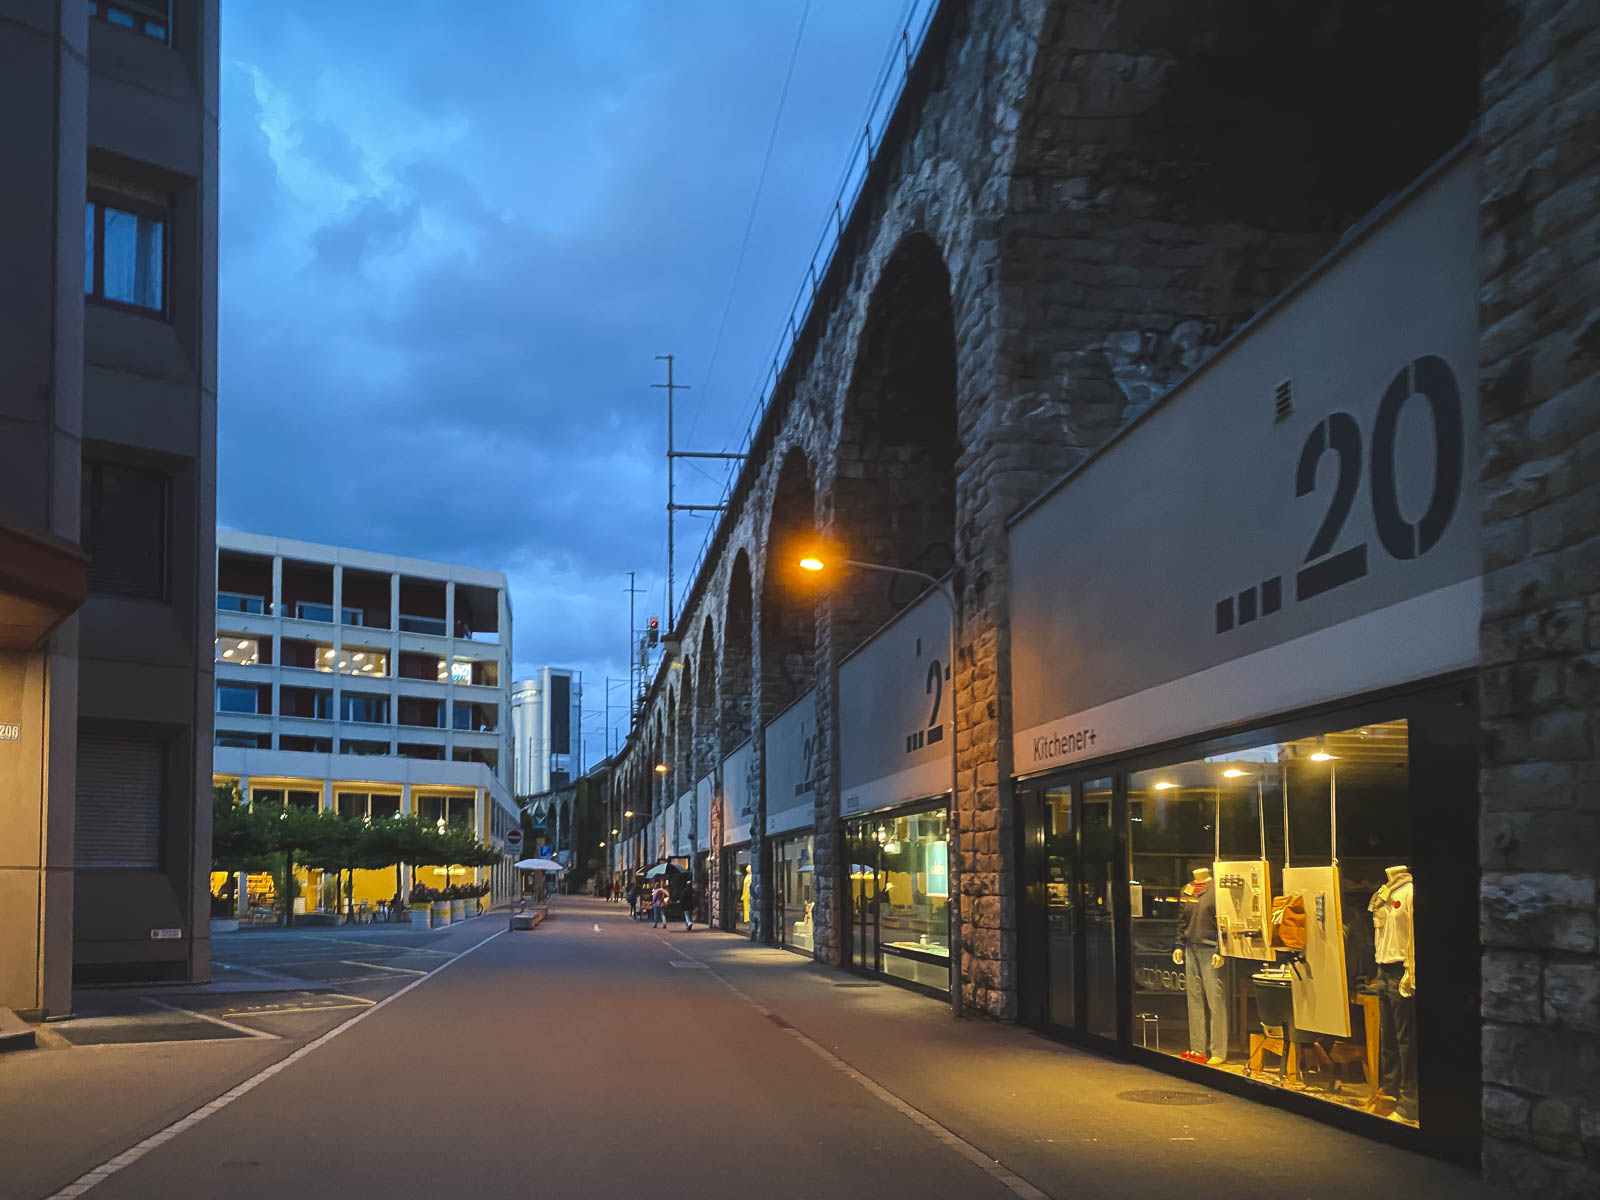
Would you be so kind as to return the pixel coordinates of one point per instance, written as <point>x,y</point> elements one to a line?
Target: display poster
<point>738,795</point>
<point>682,823</point>
<point>791,766</point>
<point>1319,984</point>
<point>704,796</point>
<point>1244,909</point>
<point>1296,522</point>
<point>895,704</point>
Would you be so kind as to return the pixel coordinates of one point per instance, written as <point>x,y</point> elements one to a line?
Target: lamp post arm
<point>941,585</point>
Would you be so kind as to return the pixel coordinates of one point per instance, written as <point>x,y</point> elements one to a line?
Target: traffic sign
<point>514,838</point>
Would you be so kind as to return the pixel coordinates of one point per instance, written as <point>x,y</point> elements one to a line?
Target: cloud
<point>453,242</point>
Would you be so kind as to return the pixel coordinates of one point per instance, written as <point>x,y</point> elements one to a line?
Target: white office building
<point>546,721</point>
<point>364,683</point>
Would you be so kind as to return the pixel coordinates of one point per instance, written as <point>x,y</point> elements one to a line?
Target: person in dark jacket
<point>687,899</point>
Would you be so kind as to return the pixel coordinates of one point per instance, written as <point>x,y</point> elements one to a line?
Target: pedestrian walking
<point>658,908</point>
<point>616,890</point>
<point>633,900</point>
<point>687,899</point>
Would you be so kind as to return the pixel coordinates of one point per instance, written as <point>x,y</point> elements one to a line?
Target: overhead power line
<point>755,203</point>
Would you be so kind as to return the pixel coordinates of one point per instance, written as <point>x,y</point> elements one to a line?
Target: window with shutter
<point>120,782</point>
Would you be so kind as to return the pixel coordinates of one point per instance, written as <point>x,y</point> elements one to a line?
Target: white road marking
<point>189,1012</point>
<point>993,1167</point>
<point>132,1155</point>
<point>350,962</point>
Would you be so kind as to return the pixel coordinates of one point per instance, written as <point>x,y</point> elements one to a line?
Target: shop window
<point>124,529</point>
<point>1271,907</point>
<point>899,897</point>
<point>796,892</point>
<point>125,248</point>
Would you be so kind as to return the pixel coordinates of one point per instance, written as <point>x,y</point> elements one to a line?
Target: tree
<point>401,839</point>
<point>301,833</point>
<point>242,838</point>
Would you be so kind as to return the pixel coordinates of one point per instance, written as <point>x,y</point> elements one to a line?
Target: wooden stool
<point>1262,1044</point>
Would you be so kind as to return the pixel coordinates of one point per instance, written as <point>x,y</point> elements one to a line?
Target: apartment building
<point>107,479</point>
<point>547,723</point>
<point>367,684</point>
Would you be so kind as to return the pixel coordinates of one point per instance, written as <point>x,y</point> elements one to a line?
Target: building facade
<point>107,483</point>
<point>547,724</point>
<point>365,684</point>
<point>1249,734</point>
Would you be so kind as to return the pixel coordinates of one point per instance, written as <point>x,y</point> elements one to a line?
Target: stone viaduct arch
<point>1065,216</point>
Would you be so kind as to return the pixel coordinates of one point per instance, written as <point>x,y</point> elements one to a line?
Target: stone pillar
<point>1539,357</point>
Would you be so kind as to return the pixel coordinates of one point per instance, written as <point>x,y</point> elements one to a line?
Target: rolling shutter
<point>119,801</point>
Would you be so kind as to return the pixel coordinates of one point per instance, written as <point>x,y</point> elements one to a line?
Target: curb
<point>15,1033</point>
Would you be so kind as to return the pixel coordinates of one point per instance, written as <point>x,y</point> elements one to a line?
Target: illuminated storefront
<point>1245,705</point>
<point>900,896</point>
<point>793,859</point>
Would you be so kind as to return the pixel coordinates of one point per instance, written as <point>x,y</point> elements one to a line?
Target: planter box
<point>420,914</point>
<point>441,912</point>
<point>458,910</point>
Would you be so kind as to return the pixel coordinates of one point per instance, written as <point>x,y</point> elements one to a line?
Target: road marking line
<point>88,1179</point>
<point>350,962</point>
<point>189,1012</point>
<point>311,1008</point>
<point>992,1167</point>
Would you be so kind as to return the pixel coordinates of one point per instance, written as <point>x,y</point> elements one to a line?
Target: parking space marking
<point>350,962</point>
<point>189,1012</point>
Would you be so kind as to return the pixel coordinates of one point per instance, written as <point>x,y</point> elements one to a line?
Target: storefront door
<point>1076,865</point>
<point>865,888</point>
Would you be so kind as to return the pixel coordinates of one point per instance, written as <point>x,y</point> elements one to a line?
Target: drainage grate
<point>1283,400</point>
<point>1164,1096</point>
<point>866,985</point>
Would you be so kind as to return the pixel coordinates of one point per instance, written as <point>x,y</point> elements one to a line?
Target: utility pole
<point>673,507</point>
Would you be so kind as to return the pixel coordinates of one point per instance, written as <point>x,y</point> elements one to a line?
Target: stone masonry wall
<point>1540,780</point>
<point>1112,187</point>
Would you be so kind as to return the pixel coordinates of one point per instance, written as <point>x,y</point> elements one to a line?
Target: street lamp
<point>816,564</point>
<point>661,768</point>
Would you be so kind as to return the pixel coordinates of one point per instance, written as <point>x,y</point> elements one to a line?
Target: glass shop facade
<point>737,800</point>
<point>895,739</point>
<point>1244,636</point>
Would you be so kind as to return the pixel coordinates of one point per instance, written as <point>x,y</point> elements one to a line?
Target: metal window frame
<point>101,196</point>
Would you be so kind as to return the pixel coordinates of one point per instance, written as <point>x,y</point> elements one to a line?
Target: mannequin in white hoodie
<point>1394,939</point>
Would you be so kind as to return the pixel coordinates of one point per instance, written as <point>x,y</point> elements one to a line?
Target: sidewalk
<point>1070,1122</point>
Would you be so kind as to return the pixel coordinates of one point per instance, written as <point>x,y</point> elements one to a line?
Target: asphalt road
<point>595,1057</point>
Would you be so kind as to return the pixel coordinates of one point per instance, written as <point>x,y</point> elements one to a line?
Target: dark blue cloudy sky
<point>453,239</point>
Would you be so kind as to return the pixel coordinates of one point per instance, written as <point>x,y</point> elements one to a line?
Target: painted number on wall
<point>10,733</point>
<point>933,731</point>
<point>1328,564</point>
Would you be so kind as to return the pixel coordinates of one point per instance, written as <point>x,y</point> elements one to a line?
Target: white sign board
<point>791,766</point>
<point>895,705</point>
<point>738,795</point>
<point>1296,523</point>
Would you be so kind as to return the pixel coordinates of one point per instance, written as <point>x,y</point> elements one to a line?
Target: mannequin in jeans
<point>1195,949</point>
<point>1394,939</point>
